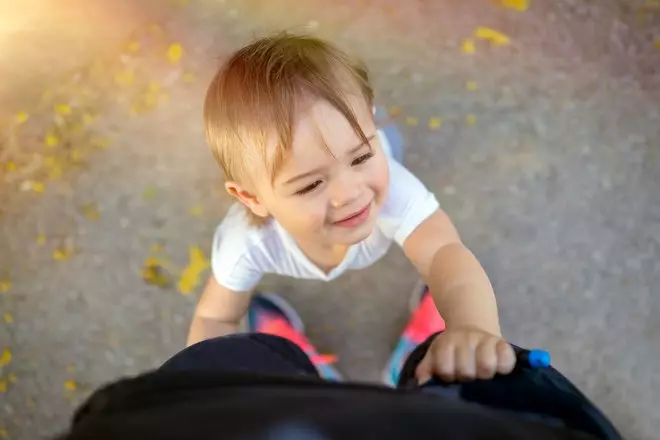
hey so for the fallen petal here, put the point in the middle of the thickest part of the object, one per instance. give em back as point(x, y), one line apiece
point(174, 53)
point(495, 37)
point(411, 121)
point(70, 385)
point(471, 86)
point(63, 109)
point(518, 5)
point(468, 46)
point(91, 211)
point(435, 123)
point(133, 46)
point(191, 276)
point(5, 358)
point(197, 211)
point(21, 117)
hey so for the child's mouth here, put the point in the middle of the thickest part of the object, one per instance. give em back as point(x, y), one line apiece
point(355, 219)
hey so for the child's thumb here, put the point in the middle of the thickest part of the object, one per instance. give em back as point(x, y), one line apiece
point(424, 370)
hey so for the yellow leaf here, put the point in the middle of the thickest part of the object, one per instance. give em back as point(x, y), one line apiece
point(133, 46)
point(150, 192)
point(4, 434)
point(518, 5)
point(5, 285)
point(190, 277)
point(188, 77)
point(435, 123)
point(394, 111)
point(125, 77)
point(468, 47)
point(63, 109)
point(3, 386)
point(91, 211)
point(38, 187)
point(9, 318)
point(31, 185)
point(656, 43)
point(61, 254)
point(471, 120)
point(471, 86)
point(51, 140)
point(10, 166)
point(174, 53)
point(495, 37)
point(197, 210)
point(5, 358)
point(41, 240)
point(12, 378)
point(70, 385)
point(153, 87)
point(411, 121)
point(21, 117)
point(76, 156)
point(153, 272)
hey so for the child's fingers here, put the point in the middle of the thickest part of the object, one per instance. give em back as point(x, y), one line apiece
point(487, 358)
point(506, 357)
point(466, 362)
point(443, 357)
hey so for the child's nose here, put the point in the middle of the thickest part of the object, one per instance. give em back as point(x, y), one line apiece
point(344, 190)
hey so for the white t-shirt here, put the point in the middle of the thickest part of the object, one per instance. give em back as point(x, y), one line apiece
point(242, 253)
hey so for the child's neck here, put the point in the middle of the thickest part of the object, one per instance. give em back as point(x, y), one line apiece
point(326, 257)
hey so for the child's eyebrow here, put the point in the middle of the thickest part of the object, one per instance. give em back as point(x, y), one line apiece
point(355, 149)
point(318, 170)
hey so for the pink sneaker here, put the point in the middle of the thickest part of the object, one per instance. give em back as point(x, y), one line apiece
point(269, 313)
point(424, 321)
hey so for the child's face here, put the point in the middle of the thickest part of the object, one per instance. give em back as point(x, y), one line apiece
point(331, 186)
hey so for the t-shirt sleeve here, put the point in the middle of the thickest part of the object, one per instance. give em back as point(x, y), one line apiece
point(408, 203)
point(231, 261)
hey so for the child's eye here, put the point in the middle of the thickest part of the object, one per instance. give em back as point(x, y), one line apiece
point(309, 188)
point(362, 159)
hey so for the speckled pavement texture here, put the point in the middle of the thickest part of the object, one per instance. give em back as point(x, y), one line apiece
point(549, 166)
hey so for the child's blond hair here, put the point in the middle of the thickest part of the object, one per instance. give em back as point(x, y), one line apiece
point(253, 97)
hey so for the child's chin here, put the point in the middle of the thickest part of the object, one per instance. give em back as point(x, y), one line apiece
point(353, 236)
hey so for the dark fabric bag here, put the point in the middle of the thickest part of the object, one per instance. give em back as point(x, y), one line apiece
point(542, 393)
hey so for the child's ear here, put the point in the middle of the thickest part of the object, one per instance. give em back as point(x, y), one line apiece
point(248, 199)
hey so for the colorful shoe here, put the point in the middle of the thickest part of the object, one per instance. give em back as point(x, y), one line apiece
point(269, 313)
point(424, 321)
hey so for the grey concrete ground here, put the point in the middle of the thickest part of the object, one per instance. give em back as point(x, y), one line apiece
point(556, 188)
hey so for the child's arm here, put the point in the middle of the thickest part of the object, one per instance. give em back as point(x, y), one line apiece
point(472, 346)
point(218, 312)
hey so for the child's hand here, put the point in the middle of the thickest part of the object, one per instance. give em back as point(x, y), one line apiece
point(464, 354)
